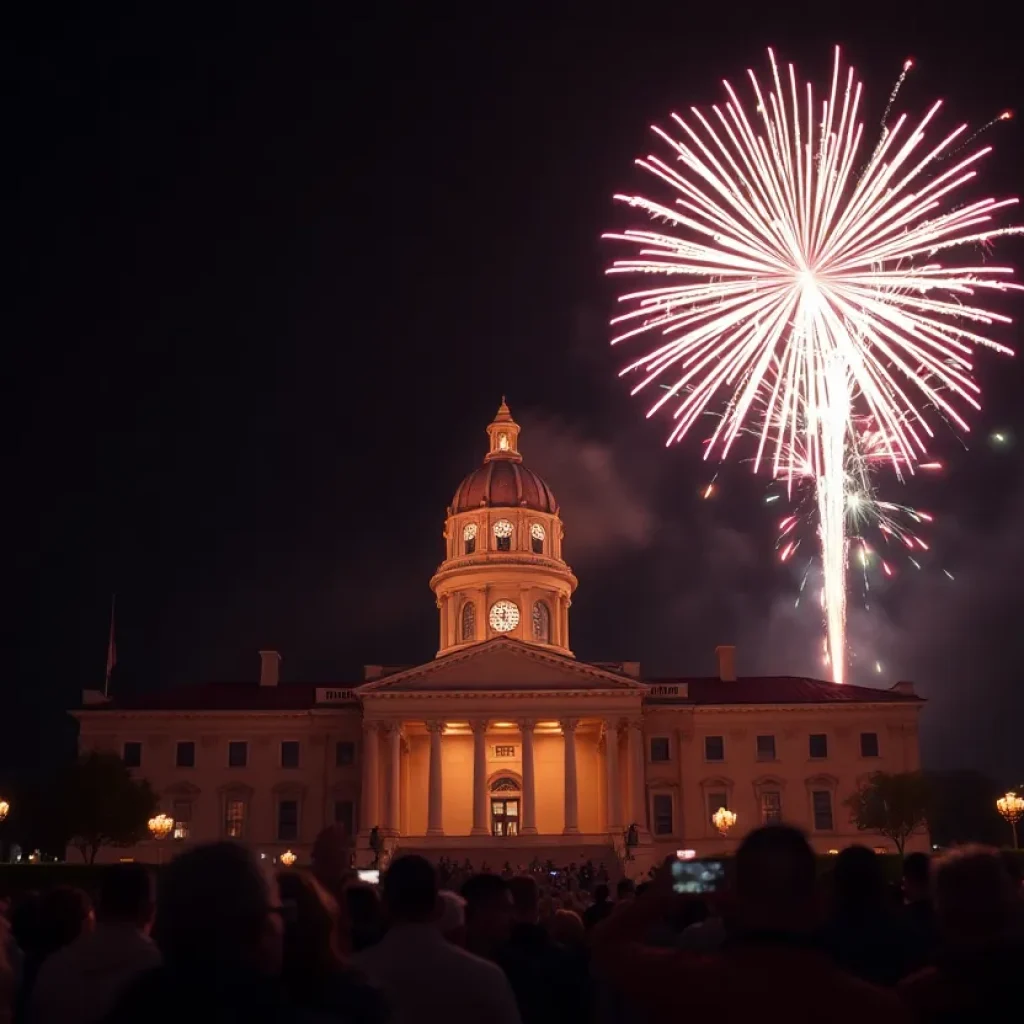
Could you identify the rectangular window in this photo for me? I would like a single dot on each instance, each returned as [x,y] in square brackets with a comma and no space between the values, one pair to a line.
[344,753]
[182,814]
[822,801]
[662,808]
[234,818]
[344,815]
[714,748]
[869,744]
[470,545]
[503,543]
[537,545]
[771,807]
[659,748]
[289,753]
[238,754]
[288,820]
[132,754]
[715,801]
[766,748]
[185,755]
[818,744]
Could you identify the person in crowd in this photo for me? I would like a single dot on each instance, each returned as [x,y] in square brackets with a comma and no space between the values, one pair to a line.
[625,890]
[332,861]
[976,972]
[365,916]
[547,981]
[600,908]
[315,976]
[218,926]
[567,929]
[452,920]
[488,914]
[918,910]
[423,976]
[80,983]
[8,975]
[771,961]
[862,933]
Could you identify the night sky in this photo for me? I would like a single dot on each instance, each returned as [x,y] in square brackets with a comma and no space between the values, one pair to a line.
[272,279]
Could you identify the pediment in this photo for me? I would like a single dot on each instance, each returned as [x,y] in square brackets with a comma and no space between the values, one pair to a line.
[501,665]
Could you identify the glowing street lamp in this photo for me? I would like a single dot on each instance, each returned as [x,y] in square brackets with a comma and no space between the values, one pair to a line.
[723,819]
[1011,807]
[287,858]
[160,827]
[5,809]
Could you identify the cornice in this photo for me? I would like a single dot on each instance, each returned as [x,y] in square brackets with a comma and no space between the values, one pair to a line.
[829,707]
[503,694]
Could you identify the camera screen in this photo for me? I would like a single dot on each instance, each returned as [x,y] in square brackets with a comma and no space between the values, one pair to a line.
[697,876]
[371,875]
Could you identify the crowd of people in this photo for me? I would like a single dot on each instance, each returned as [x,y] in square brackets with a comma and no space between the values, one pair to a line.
[223,939]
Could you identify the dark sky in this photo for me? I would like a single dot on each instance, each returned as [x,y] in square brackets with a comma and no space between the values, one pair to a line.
[272,278]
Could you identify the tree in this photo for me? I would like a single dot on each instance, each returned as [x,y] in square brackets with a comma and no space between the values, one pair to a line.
[98,803]
[893,804]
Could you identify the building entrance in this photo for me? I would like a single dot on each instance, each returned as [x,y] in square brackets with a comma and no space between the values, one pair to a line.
[504,816]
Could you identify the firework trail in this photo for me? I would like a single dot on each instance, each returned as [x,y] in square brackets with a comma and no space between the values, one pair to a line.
[788,271]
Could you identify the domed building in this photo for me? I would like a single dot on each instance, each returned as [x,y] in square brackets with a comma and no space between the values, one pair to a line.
[504,746]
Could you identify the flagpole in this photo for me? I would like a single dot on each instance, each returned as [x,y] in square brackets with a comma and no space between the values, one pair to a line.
[111,649]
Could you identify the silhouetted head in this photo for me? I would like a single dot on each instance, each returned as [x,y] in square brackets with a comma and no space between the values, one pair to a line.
[452,922]
[63,914]
[626,889]
[775,880]
[525,898]
[310,929]
[410,890]
[126,895]
[488,911]
[917,871]
[858,882]
[601,893]
[365,915]
[974,894]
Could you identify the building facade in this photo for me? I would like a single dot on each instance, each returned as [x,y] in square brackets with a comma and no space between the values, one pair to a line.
[504,746]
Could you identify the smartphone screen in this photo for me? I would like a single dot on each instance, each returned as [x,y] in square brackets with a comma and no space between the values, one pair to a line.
[697,876]
[371,875]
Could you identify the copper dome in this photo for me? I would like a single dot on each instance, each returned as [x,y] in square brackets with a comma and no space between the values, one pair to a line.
[504,483]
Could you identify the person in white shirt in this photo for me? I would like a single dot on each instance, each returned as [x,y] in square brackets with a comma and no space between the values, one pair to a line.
[424,977]
[80,983]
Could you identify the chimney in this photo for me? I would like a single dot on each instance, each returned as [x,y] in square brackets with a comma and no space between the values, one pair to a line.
[726,664]
[905,687]
[270,668]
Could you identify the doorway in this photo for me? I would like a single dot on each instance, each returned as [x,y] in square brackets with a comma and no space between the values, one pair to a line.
[504,816]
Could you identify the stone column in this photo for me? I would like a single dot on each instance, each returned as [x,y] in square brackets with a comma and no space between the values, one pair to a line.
[369,811]
[572,817]
[435,826]
[611,764]
[637,768]
[529,822]
[481,826]
[394,776]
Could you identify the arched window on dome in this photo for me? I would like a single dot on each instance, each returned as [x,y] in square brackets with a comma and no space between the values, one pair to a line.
[537,538]
[469,538]
[541,622]
[468,621]
[503,535]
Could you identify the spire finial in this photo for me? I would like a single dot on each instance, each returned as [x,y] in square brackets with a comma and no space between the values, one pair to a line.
[504,434]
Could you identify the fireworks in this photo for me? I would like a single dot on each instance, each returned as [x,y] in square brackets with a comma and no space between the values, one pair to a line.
[805,294]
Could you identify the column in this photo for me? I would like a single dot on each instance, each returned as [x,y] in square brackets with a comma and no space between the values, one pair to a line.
[529,822]
[637,768]
[435,826]
[394,776]
[369,810]
[572,818]
[481,826]
[613,786]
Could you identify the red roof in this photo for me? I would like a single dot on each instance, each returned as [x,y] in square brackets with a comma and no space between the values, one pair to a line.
[780,690]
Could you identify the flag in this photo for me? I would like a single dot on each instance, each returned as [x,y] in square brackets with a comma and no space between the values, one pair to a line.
[111,652]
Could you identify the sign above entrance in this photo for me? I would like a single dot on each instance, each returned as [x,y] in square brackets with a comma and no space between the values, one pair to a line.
[331,695]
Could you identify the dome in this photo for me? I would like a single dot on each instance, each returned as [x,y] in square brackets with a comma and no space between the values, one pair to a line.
[504,483]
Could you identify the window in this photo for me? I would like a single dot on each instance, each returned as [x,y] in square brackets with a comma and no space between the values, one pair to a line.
[537,539]
[132,754]
[505,785]
[344,753]
[469,538]
[234,818]
[659,748]
[344,815]
[185,756]
[238,754]
[766,748]
[771,807]
[288,819]
[715,801]
[468,621]
[181,812]
[818,744]
[289,753]
[662,813]
[503,535]
[821,799]
[714,749]
[869,744]
[541,622]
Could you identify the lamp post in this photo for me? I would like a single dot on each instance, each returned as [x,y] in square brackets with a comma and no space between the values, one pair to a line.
[5,809]
[287,858]
[723,820]
[160,827]
[1011,807]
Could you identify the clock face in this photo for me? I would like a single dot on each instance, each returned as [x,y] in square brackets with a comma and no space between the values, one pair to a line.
[537,531]
[469,531]
[502,528]
[504,616]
